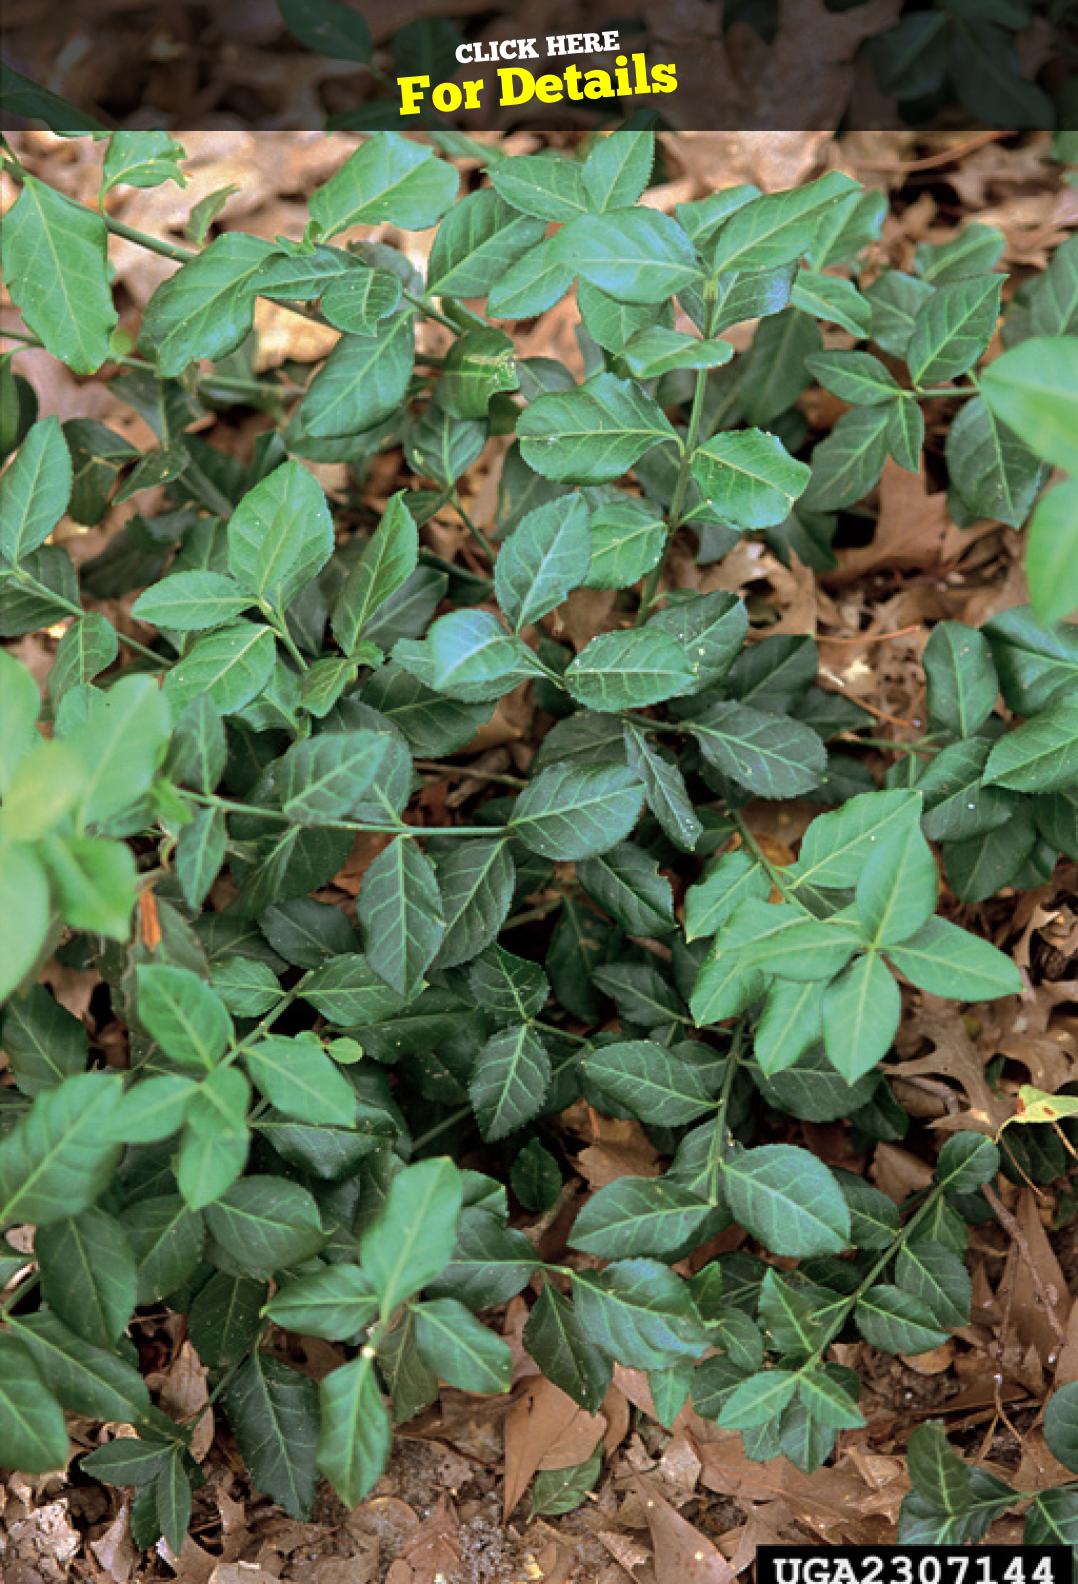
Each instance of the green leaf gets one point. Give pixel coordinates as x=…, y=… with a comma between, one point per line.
x=509, y=989
x=758, y=1400
x=266, y=1223
x=533, y=284
x=626, y=882
x=475, y=879
x=939, y=1278
x=478, y=241
x=966, y=1161
x=897, y=888
x=273, y=1411
x=1034, y=661
x=192, y=602
x=1053, y=1518
x=167, y=1239
x=636, y=255
x=1041, y=755
x=788, y=1199
x=55, y=253
x=836, y=846
x=336, y=1303
x=401, y=913
x=593, y=433
x=298, y=1078
x=906, y=434
x=509, y=1082
x=860, y=1010
x=948, y=961
x=36, y=489
x=59, y=1156
x=87, y=1380
x=790, y=1024
x=88, y=1274
x=961, y=677
x=855, y=377
x=828, y=1402
x=630, y=669
x=536, y=1176
x=543, y=560
x=664, y=789
x=849, y=462
x=389, y=179
x=229, y=667
x=640, y=1215
x=994, y=473
x=326, y=777
x=460, y=1349
x=35, y=1436
x=20, y=704
x=24, y=913
x=655, y=351
x=1033, y=388
x=411, y=1385
x=355, y=1436
x=833, y=299
x=491, y=1263
x=559, y=1344
x=1052, y=552
x=200, y=852
x=564, y=1490
x=1061, y=1425
x=749, y=477
x=618, y=169
x=777, y=228
x=952, y=328
x=225, y=1319
x=478, y=365
x=363, y=381
x=280, y=535
x=726, y=884
x=771, y=755
x=411, y=1239
x=183, y=1014
x=548, y=186
x=141, y=159
x=328, y=28
x=388, y=558
x=569, y=812
x=897, y=1322
x=172, y=1499
x=474, y=659
x=651, y=1082
x=639, y=1313
x=358, y=299
x=44, y=1044
x=347, y=991
x=127, y=1460
x=206, y=308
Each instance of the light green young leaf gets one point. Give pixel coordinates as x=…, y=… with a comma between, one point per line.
x=299, y=1080
x=1052, y=552
x=548, y=186
x=726, y=884
x=948, y=961
x=474, y=659
x=390, y=178
x=834, y=299
x=777, y=228
x=1033, y=388
x=142, y=159
x=335, y=1303
x=229, y=667
x=192, y=602
x=363, y=381
x=56, y=268
x=355, y=1435
x=411, y=1239
x=860, y=1010
x=206, y=308
x=897, y=889
x=618, y=169
x=478, y=241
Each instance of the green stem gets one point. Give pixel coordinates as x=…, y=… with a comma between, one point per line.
x=28, y=581
x=721, y=1137
x=777, y=877
x=361, y=827
x=428, y=558
x=677, y=500
x=957, y=391
x=473, y=527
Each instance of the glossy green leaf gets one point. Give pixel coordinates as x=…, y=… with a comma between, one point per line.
x=788, y=1199
x=593, y=433
x=390, y=178
x=56, y=267
x=543, y=560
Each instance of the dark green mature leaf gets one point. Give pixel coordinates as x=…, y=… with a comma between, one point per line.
x=273, y=1411
x=88, y=1274
x=628, y=670
x=328, y=28
x=570, y=812
x=477, y=242
x=58, y=1157
x=640, y=1215
x=543, y=560
x=335, y=1302
x=559, y=1344
x=401, y=913
x=36, y=490
x=849, y=462
x=653, y=1083
x=229, y=667
x=86, y=1379
x=952, y=328
x=510, y=1081
x=300, y=1080
x=627, y=883
x=961, y=677
x=788, y=1199
x=56, y=268
x=1061, y=1425
x=749, y=477
x=363, y=380
x=639, y=1313
x=473, y=658
x=770, y=755
x=325, y=778
x=459, y=1348
x=1041, y=755
x=266, y=1223
x=995, y=474
x=593, y=433
x=897, y=1321
x=43, y=1042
